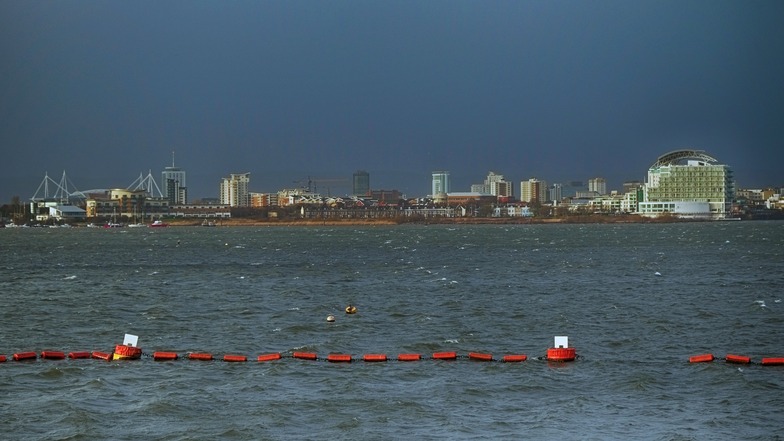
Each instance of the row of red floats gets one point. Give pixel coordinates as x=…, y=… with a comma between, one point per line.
x=334, y=358
x=737, y=359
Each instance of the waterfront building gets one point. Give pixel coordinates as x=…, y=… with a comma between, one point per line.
x=556, y=193
x=175, y=188
x=234, y=190
x=688, y=183
x=597, y=185
x=440, y=183
x=533, y=191
x=361, y=185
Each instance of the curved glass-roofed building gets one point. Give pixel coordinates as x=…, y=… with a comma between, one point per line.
x=688, y=183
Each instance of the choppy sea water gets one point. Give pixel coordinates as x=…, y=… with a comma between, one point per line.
x=635, y=300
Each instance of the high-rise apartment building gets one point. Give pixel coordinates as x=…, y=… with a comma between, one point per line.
x=688, y=182
x=175, y=188
x=497, y=186
x=361, y=183
x=533, y=191
x=440, y=183
x=234, y=190
x=597, y=185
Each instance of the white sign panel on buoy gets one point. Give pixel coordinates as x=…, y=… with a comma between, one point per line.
x=131, y=340
x=561, y=341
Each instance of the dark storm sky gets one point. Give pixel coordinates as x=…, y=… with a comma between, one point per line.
x=558, y=90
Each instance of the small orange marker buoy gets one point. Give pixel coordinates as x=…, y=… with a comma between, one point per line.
x=772, y=361
x=702, y=358
x=339, y=358
x=515, y=358
x=479, y=356
x=2, y=358
x=740, y=359
x=375, y=357
x=200, y=356
x=409, y=357
x=235, y=358
x=127, y=352
x=561, y=354
x=269, y=357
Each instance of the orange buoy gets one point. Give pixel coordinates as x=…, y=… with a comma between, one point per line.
x=339, y=358
x=561, y=354
x=164, y=356
x=444, y=355
x=269, y=357
x=127, y=352
x=702, y=358
x=409, y=357
x=53, y=355
x=2, y=358
x=515, y=358
x=235, y=358
x=200, y=356
x=76, y=355
x=21, y=356
x=479, y=356
x=305, y=355
x=375, y=357
x=772, y=361
x=740, y=359
x=102, y=355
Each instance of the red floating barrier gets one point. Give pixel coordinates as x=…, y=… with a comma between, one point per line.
x=740, y=359
x=25, y=356
x=102, y=355
x=772, y=361
x=561, y=354
x=2, y=358
x=479, y=356
x=164, y=356
x=305, y=355
x=445, y=356
x=76, y=355
x=515, y=358
x=53, y=355
x=702, y=358
x=375, y=357
x=200, y=356
x=409, y=357
x=269, y=357
x=339, y=358
x=234, y=358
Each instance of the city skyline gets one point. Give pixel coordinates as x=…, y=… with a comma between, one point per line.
x=557, y=91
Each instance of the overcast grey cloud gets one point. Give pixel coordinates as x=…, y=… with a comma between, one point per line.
x=558, y=90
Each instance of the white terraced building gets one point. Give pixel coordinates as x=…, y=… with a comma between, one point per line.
x=688, y=183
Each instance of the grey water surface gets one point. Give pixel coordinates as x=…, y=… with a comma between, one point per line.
x=636, y=300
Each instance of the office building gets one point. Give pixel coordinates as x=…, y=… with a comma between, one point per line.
x=361, y=183
x=440, y=184
x=175, y=187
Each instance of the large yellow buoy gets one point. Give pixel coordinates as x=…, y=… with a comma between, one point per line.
x=351, y=309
